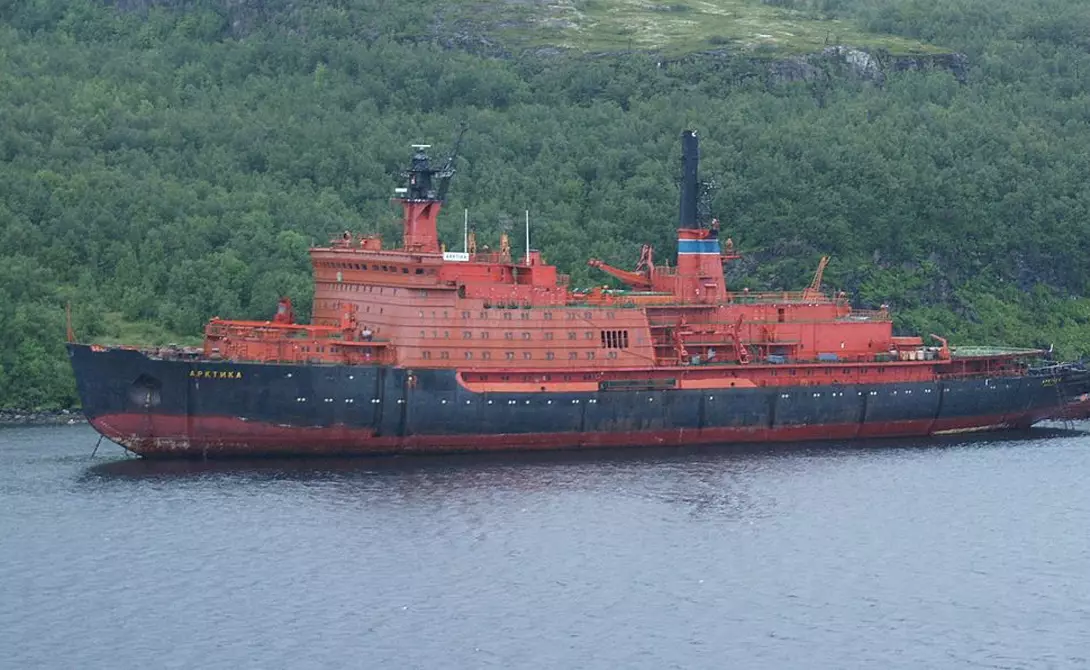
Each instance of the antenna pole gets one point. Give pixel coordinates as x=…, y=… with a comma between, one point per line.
x=527, y=237
x=465, y=231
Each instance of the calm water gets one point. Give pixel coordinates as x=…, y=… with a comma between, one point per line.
x=939, y=555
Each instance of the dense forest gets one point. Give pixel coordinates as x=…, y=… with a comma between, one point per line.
x=161, y=165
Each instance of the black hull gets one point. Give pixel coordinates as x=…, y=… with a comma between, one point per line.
x=182, y=408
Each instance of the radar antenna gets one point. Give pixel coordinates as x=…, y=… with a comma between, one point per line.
x=447, y=171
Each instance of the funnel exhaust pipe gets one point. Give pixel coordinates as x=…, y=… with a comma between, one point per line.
x=690, y=159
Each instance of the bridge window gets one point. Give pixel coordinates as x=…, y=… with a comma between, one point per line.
x=549, y=355
x=509, y=355
x=419, y=271
x=590, y=355
x=444, y=355
x=572, y=355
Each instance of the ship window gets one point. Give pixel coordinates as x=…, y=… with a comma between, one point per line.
x=483, y=315
x=524, y=316
x=549, y=355
x=467, y=335
x=404, y=271
x=572, y=335
x=572, y=355
x=427, y=355
x=571, y=315
x=589, y=335
x=363, y=266
x=419, y=271
x=484, y=334
x=507, y=315
x=612, y=354
x=469, y=355
x=510, y=355
x=444, y=355
x=548, y=336
x=526, y=336
x=486, y=355
x=465, y=315
x=863, y=371
x=508, y=335
x=780, y=315
x=446, y=334
x=385, y=268
x=527, y=355
x=590, y=355
x=588, y=315
x=610, y=315
x=548, y=316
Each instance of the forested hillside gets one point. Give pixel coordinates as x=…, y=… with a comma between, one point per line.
x=162, y=162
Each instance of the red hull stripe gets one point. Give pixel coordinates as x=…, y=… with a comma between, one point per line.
x=168, y=435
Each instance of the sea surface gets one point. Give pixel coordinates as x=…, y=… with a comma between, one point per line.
x=959, y=553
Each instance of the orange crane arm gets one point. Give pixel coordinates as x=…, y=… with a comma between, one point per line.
x=814, y=289
x=635, y=280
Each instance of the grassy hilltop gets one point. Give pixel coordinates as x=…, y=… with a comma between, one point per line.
x=164, y=161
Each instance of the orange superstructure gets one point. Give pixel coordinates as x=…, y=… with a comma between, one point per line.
x=488, y=311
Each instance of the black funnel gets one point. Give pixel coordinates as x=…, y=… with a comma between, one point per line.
x=690, y=158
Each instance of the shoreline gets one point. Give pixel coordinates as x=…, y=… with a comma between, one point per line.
x=63, y=417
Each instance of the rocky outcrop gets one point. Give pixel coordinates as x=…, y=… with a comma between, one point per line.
x=872, y=66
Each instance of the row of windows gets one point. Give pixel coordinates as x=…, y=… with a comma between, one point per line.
x=576, y=401
x=510, y=355
x=374, y=267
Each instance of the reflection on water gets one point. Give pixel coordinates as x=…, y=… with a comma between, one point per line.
x=960, y=551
